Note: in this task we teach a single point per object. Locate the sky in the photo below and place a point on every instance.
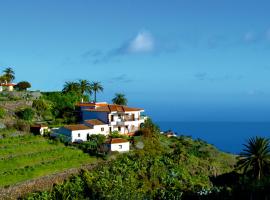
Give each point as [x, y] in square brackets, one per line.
[184, 60]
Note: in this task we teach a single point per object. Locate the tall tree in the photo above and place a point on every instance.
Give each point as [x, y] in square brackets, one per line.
[120, 99]
[71, 86]
[85, 87]
[9, 74]
[96, 87]
[255, 158]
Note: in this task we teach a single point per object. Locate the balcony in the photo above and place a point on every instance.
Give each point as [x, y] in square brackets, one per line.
[123, 120]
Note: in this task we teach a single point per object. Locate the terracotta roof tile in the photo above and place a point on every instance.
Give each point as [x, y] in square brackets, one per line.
[94, 122]
[113, 108]
[89, 104]
[77, 127]
[7, 84]
[116, 140]
[39, 125]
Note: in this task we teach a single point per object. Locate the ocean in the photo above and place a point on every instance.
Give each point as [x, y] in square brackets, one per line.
[226, 136]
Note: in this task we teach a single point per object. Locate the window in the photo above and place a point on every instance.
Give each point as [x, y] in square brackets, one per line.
[102, 129]
[119, 128]
[79, 135]
[120, 147]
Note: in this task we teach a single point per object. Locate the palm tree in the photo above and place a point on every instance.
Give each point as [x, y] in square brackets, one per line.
[255, 158]
[9, 74]
[85, 87]
[96, 87]
[71, 86]
[120, 99]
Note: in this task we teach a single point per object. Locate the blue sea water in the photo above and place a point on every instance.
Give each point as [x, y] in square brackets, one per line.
[226, 136]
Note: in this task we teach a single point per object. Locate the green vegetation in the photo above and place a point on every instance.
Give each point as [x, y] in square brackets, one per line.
[82, 88]
[26, 114]
[7, 132]
[8, 75]
[2, 113]
[61, 106]
[27, 157]
[93, 145]
[255, 159]
[85, 87]
[120, 99]
[70, 86]
[158, 168]
[96, 87]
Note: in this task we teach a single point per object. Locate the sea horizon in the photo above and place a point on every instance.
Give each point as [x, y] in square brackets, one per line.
[227, 136]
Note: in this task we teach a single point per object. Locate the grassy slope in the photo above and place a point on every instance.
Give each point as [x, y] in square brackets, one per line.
[27, 157]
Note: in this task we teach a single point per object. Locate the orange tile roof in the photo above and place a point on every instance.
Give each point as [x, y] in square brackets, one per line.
[91, 104]
[77, 127]
[116, 140]
[113, 108]
[7, 84]
[39, 125]
[94, 122]
[85, 104]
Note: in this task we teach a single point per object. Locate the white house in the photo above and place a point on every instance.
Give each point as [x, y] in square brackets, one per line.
[75, 133]
[81, 132]
[124, 119]
[117, 144]
[7, 86]
[103, 118]
[98, 127]
[39, 129]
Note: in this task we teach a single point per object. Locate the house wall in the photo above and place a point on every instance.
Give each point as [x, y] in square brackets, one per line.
[121, 147]
[117, 118]
[74, 135]
[97, 129]
[102, 116]
[42, 130]
[80, 135]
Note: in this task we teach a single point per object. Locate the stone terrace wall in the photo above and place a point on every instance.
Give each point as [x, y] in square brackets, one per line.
[42, 183]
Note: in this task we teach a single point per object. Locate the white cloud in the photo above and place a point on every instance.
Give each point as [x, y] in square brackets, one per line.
[142, 43]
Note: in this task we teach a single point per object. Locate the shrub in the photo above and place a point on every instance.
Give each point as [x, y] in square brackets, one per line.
[26, 114]
[2, 113]
[22, 126]
[22, 86]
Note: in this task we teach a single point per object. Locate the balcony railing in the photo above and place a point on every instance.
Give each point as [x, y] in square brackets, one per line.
[124, 119]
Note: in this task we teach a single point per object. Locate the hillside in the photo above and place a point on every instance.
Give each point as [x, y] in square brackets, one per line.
[27, 157]
[157, 168]
[10, 102]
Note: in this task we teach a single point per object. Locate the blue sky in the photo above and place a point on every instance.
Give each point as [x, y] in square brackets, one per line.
[181, 60]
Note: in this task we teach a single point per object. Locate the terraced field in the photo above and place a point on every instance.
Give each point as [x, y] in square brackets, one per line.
[27, 157]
